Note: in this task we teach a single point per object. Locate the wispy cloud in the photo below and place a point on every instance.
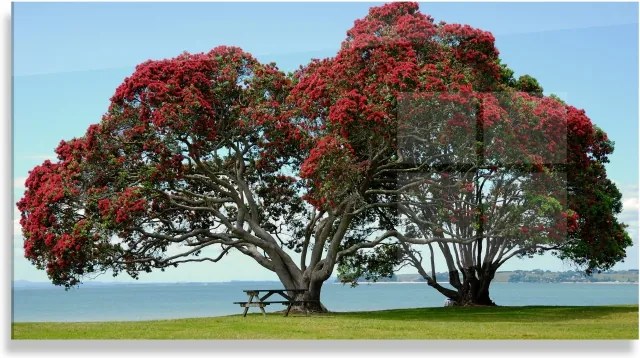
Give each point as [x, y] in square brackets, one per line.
[43, 157]
[17, 229]
[18, 183]
[629, 196]
[631, 204]
[630, 209]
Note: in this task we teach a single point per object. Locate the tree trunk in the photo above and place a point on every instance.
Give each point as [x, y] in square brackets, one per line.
[296, 280]
[474, 290]
[312, 298]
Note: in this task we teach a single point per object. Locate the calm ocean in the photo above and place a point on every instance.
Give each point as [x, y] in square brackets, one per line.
[181, 300]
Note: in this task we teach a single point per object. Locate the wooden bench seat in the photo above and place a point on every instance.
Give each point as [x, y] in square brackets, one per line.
[262, 302]
[269, 302]
[261, 305]
[253, 304]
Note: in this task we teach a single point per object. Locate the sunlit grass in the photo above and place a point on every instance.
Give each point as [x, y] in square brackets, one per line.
[531, 322]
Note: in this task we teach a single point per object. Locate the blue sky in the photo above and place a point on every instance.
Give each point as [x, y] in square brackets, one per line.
[68, 59]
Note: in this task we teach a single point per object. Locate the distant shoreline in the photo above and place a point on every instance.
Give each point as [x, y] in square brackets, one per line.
[531, 276]
[594, 283]
[612, 277]
[497, 282]
[32, 285]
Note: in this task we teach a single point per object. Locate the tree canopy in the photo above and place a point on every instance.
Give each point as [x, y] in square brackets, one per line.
[481, 165]
[179, 147]
[413, 134]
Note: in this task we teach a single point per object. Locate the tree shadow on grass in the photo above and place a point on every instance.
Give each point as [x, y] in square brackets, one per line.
[496, 314]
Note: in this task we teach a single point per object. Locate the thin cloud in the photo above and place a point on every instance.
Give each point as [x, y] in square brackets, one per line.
[17, 229]
[631, 204]
[18, 183]
[630, 209]
[38, 156]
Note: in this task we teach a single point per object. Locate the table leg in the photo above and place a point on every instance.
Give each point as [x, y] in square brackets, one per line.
[246, 307]
[288, 309]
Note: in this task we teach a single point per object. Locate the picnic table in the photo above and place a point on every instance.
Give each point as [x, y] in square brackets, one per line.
[255, 300]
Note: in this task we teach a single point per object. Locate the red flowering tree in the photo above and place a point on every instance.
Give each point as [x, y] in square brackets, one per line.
[431, 133]
[196, 156]
[504, 185]
[351, 161]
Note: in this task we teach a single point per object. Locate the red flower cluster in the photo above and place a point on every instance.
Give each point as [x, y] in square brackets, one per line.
[52, 227]
[331, 171]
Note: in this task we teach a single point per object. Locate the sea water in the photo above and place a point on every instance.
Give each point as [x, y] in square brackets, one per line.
[126, 302]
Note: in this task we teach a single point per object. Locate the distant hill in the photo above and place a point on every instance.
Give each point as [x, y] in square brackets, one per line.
[25, 283]
[571, 276]
[622, 276]
[530, 276]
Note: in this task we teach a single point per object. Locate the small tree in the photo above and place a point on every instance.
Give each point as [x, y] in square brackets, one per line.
[519, 193]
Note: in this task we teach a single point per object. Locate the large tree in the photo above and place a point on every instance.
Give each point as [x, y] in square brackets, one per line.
[196, 156]
[207, 153]
[454, 153]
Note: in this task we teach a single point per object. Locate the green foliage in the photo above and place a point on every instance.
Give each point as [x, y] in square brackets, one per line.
[601, 240]
[371, 265]
[506, 75]
[529, 84]
[557, 98]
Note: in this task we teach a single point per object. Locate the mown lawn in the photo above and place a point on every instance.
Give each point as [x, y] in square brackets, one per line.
[531, 322]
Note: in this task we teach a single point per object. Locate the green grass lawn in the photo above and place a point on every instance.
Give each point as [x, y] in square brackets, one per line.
[531, 322]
